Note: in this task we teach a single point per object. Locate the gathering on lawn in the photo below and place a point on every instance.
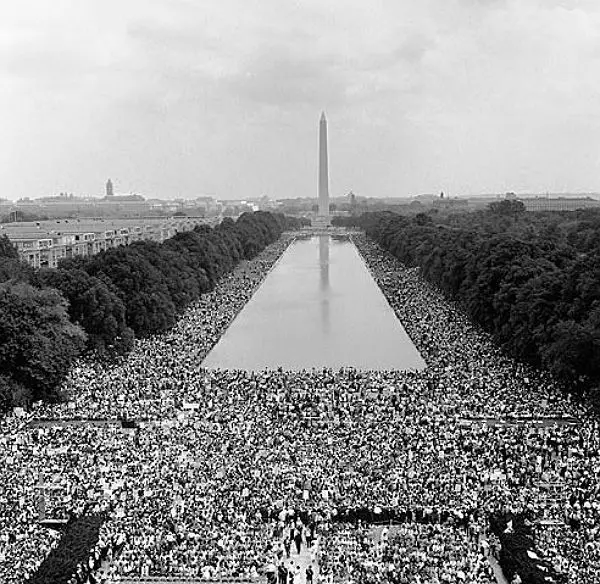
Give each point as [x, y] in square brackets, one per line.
[229, 473]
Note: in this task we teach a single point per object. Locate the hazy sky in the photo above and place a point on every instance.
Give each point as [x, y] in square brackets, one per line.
[189, 97]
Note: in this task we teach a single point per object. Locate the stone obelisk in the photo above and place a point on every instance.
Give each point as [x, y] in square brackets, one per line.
[323, 214]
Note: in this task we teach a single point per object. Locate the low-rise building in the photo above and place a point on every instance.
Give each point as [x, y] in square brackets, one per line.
[558, 203]
[450, 204]
[45, 243]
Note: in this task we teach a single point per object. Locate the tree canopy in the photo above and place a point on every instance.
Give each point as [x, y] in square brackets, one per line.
[530, 279]
[38, 342]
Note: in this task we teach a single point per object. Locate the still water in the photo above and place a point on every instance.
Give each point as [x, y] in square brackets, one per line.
[318, 307]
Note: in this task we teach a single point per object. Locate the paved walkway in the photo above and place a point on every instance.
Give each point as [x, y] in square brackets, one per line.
[497, 570]
[298, 563]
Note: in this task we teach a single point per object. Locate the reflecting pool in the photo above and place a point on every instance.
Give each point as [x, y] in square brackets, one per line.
[318, 307]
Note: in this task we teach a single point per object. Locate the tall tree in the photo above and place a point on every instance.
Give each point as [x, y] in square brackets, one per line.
[37, 340]
[94, 306]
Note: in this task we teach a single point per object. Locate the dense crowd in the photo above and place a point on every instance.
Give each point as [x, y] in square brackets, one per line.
[434, 553]
[574, 552]
[222, 461]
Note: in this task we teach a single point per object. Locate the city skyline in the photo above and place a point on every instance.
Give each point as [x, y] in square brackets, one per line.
[177, 100]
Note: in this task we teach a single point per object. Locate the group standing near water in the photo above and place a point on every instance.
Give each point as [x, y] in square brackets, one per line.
[222, 458]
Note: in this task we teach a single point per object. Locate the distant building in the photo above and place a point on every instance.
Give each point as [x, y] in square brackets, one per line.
[558, 203]
[207, 202]
[125, 205]
[44, 243]
[61, 198]
[125, 198]
[425, 198]
[352, 201]
[109, 188]
[445, 203]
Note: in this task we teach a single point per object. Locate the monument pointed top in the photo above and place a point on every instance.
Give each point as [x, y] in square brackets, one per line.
[323, 118]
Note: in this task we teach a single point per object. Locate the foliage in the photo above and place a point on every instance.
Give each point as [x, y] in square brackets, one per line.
[38, 342]
[12, 393]
[11, 268]
[507, 207]
[531, 279]
[94, 306]
[139, 285]
[7, 249]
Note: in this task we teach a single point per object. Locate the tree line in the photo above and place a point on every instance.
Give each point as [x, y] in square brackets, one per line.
[530, 279]
[100, 303]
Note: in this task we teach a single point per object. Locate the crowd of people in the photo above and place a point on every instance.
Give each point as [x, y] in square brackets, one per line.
[221, 461]
[435, 553]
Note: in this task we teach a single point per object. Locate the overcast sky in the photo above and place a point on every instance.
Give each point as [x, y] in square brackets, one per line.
[189, 97]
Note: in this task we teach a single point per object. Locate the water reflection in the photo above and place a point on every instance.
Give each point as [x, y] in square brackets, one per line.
[318, 307]
[324, 282]
[324, 260]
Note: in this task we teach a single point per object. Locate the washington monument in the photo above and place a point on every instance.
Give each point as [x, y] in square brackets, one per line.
[323, 214]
